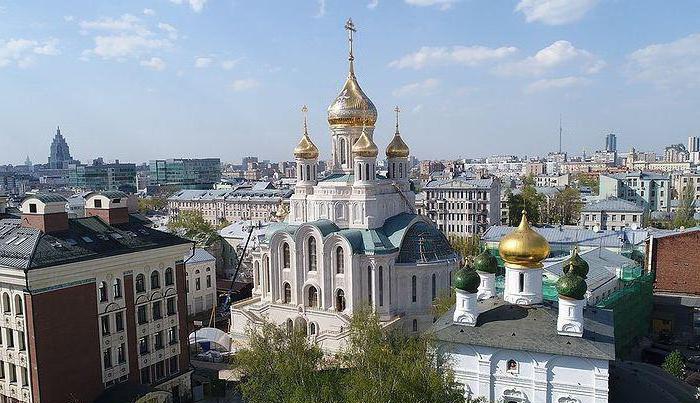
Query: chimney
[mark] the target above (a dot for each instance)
(111, 206)
(45, 212)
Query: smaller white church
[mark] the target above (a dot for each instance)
(519, 349)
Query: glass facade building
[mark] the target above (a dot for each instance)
(186, 173)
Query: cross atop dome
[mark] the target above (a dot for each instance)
(350, 27)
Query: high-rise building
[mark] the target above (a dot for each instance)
(186, 173)
(59, 156)
(611, 143)
(101, 176)
(694, 149)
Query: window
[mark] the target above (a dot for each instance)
(98, 203)
(104, 320)
(287, 293)
(340, 301)
(159, 341)
(6, 306)
(19, 308)
(140, 283)
(117, 288)
(143, 345)
(160, 370)
(381, 286)
(313, 297)
(197, 284)
(415, 325)
(172, 335)
(312, 253)
(102, 291)
(369, 284)
(413, 289)
(155, 280)
(141, 314)
(157, 310)
(312, 328)
(173, 364)
(32, 207)
(25, 377)
(169, 279)
(521, 282)
(170, 306)
(10, 338)
(107, 358)
(208, 280)
(121, 354)
(286, 257)
(2, 370)
(119, 321)
(339, 260)
(512, 366)
(433, 286)
(146, 375)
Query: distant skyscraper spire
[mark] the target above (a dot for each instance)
(59, 152)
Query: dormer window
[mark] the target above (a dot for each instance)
(32, 207)
(512, 367)
(98, 203)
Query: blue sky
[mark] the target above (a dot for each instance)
(135, 80)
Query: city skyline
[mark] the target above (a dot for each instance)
(214, 79)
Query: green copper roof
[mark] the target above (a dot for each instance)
(485, 262)
(466, 279)
(577, 263)
(572, 286)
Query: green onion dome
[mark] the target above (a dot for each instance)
(466, 279)
(571, 286)
(486, 262)
(576, 264)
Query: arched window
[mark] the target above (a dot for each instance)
(19, 308)
(155, 280)
(140, 283)
(359, 171)
(393, 170)
(369, 284)
(521, 282)
(312, 328)
(290, 326)
(400, 170)
(7, 304)
(313, 297)
(367, 172)
(169, 279)
(257, 274)
(343, 157)
(117, 288)
(381, 286)
(102, 290)
(308, 172)
(434, 286)
(339, 260)
(287, 293)
(340, 301)
(413, 289)
(312, 253)
(286, 257)
(415, 325)
(512, 366)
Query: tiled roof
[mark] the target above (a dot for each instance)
(638, 174)
(225, 194)
(613, 204)
(570, 235)
(200, 255)
(505, 326)
(48, 198)
(459, 183)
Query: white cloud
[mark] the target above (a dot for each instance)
(149, 11)
(372, 4)
(422, 87)
(321, 9)
(169, 29)
(154, 63)
(244, 84)
(23, 52)
(555, 83)
(68, 18)
(456, 55)
(555, 12)
(121, 47)
(203, 62)
(555, 56)
(672, 64)
(440, 4)
(417, 108)
(196, 5)
(229, 64)
(125, 23)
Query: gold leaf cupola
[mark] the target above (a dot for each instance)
(365, 147)
(352, 107)
(397, 148)
(524, 247)
(306, 149)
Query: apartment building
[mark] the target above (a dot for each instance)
(612, 214)
(200, 282)
(91, 305)
(552, 180)
(681, 180)
(463, 206)
(648, 189)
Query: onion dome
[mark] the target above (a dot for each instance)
(306, 149)
(485, 262)
(364, 146)
(524, 247)
(397, 148)
(576, 264)
(571, 286)
(352, 107)
(467, 280)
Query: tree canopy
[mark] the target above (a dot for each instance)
(686, 210)
(191, 224)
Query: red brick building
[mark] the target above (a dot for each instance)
(92, 306)
(675, 261)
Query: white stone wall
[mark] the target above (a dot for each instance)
(200, 275)
(15, 379)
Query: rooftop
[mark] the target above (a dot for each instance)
(459, 183)
(200, 255)
(613, 204)
(569, 235)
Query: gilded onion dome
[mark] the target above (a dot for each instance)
(466, 279)
(576, 264)
(306, 149)
(571, 286)
(524, 247)
(352, 107)
(485, 262)
(397, 148)
(364, 146)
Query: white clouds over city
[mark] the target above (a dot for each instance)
(671, 64)
(424, 87)
(244, 84)
(556, 83)
(154, 63)
(455, 55)
(196, 5)
(440, 4)
(554, 58)
(555, 12)
(23, 53)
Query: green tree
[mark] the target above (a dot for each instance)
(528, 200)
(192, 225)
(281, 366)
(444, 301)
(392, 367)
(591, 181)
(149, 204)
(567, 206)
(467, 246)
(674, 364)
(686, 210)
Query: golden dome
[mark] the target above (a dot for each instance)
(524, 247)
(364, 146)
(397, 148)
(306, 149)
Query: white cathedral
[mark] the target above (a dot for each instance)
(351, 239)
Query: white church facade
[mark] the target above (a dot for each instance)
(351, 239)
